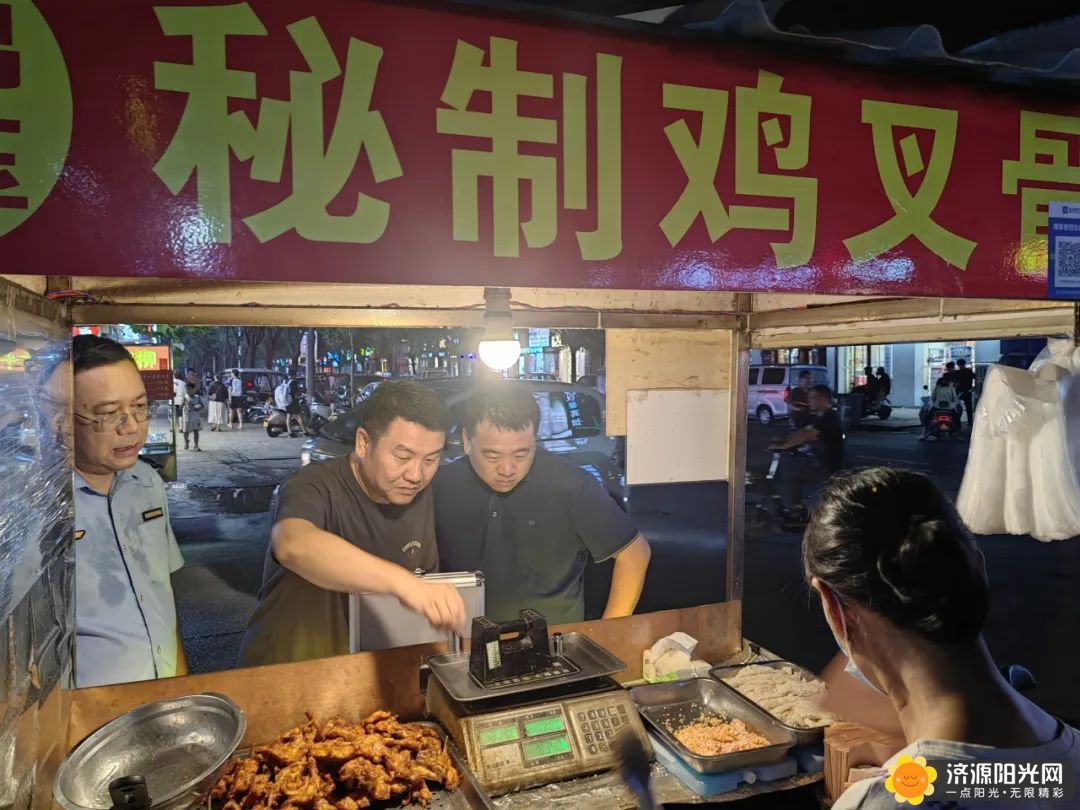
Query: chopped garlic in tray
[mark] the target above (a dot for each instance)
(784, 693)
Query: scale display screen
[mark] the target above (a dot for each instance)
(502, 734)
(538, 749)
(544, 725)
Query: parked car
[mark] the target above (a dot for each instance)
(571, 423)
(770, 387)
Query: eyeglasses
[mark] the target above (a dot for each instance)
(117, 419)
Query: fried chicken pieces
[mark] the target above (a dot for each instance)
(338, 765)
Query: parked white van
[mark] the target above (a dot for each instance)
(771, 385)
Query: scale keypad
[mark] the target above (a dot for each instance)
(600, 727)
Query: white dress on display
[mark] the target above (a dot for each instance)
(1020, 476)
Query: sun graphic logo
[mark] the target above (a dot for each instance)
(911, 780)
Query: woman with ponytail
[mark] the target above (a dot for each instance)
(904, 590)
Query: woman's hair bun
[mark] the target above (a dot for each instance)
(890, 540)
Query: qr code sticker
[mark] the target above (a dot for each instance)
(1067, 261)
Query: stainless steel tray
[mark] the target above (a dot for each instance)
(665, 705)
(590, 659)
(469, 796)
(803, 736)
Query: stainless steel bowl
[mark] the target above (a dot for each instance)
(179, 746)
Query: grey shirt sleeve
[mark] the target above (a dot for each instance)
(604, 528)
(303, 497)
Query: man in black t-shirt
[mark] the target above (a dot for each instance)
(963, 380)
(529, 519)
(361, 523)
(799, 402)
(822, 445)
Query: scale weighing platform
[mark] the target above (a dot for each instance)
(530, 728)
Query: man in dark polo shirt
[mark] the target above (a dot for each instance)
(361, 523)
(529, 519)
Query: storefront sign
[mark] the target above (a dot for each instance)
(150, 358)
(539, 338)
(353, 140)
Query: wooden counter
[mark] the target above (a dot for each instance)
(275, 698)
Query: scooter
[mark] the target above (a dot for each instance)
(942, 424)
(276, 423)
(318, 414)
(259, 412)
(882, 409)
(763, 510)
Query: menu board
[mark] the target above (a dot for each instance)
(159, 385)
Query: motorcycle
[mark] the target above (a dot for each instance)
(277, 423)
(939, 420)
(318, 413)
(881, 408)
(763, 510)
(257, 412)
(942, 423)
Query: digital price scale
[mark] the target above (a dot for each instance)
(548, 711)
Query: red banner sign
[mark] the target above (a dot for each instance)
(344, 140)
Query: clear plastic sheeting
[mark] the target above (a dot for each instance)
(1022, 471)
(36, 556)
(35, 501)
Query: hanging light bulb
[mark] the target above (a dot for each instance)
(499, 350)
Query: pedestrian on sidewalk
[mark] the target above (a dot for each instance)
(194, 406)
(178, 396)
(219, 404)
(236, 399)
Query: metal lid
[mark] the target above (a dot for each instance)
(180, 747)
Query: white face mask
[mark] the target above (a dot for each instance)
(852, 668)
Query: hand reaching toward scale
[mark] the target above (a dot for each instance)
(440, 604)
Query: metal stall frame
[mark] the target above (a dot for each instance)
(758, 321)
(754, 320)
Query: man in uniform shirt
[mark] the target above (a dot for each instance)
(125, 551)
(360, 523)
(529, 519)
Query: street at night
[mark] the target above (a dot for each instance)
(220, 519)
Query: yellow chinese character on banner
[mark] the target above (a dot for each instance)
(914, 212)
(700, 160)
(207, 131)
(1042, 135)
(507, 130)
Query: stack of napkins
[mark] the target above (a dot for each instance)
(854, 752)
(671, 659)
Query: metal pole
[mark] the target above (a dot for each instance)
(309, 363)
(352, 367)
(736, 535)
